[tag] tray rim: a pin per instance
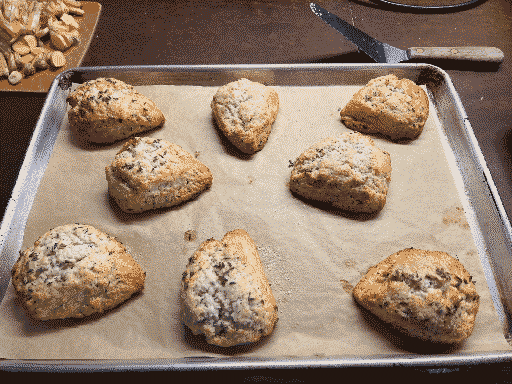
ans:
(240, 363)
(228, 363)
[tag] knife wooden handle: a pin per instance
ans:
(488, 54)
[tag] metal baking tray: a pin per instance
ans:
(493, 238)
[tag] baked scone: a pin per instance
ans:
(108, 110)
(245, 111)
(226, 295)
(347, 171)
(397, 108)
(74, 271)
(152, 173)
(427, 294)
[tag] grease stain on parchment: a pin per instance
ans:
(455, 216)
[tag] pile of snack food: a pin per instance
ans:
(75, 270)
(26, 26)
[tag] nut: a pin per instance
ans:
(15, 77)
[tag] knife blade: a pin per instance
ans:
(385, 53)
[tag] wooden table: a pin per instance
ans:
(239, 32)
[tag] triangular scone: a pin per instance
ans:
(152, 173)
(427, 294)
(226, 295)
(107, 110)
(347, 171)
(244, 112)
(397, 108)
(74, 271)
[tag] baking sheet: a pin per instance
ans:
(313, 255)
(41, 80)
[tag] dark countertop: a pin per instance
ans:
(239, 32)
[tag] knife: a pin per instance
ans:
(385, 53)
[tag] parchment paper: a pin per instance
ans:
(313, 255)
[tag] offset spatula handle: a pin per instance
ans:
(488, 54)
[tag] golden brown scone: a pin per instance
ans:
(74, 271)
(397, 108)
(427, 294)
(152, 173)
(347, 171)
(225, 292)
(107, 110)
(244, 112)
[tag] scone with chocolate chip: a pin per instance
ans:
(245, 111)
(226, 295)
(74, 271)
(426, 294)
(397, 108)
(348, 171)
(106, 110)
(150, 173)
